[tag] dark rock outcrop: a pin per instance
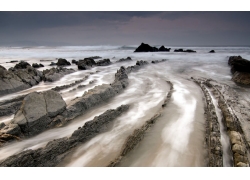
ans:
(62, 62)
(181, 50)
(212, 51)
(53, 64)
(162, 48)
(146, 48)
(86, 63)
(240, 68)
(35, 65)
(104, 62)
(22, 65)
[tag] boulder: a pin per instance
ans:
(104, 62)
(146, 48)
(22, 65)
(212, 51)
(162, 48)
(62, 62)
(2, 71)
(36, 111)
(85, 63)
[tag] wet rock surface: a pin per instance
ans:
(125, 59)
(55, 151)
(104, 62)
(63, 62)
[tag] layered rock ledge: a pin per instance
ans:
(55, 151)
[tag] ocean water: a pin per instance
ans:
(178, 136)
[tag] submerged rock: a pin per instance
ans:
(35, 65)
(212, 51)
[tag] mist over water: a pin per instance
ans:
(176, 139)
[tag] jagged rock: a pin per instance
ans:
(86, 63)
(36, 111)
(146, 48)
(62, 62)
(22, 65)
(2, 71)
(212, 51)
(162, 48)
(55, 74)
(15, 80)
(104, 62)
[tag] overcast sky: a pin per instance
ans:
(124, 28)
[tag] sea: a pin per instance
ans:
(176, 140)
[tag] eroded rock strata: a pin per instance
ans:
(55, 151)
(235, 114)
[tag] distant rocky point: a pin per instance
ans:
(147, 48)
(188, 50)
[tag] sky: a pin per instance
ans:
(169, 28)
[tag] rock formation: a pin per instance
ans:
(146, 48)
(240, 68)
